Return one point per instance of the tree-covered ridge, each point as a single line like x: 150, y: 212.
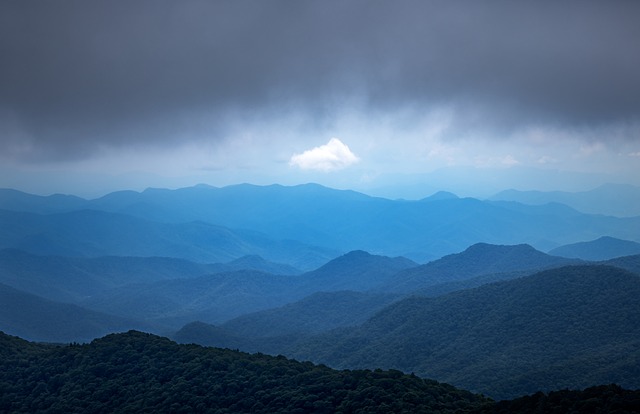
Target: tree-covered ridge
x: 569, y: 327
x: 138, y: 372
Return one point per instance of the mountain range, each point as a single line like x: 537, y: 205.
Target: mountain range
x: 456, y: 289
x: 211, y: 224
x: 622, y: 200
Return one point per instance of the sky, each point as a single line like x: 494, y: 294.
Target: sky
x: 393, y: 98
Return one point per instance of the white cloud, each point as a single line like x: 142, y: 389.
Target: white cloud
x: 332, y: 156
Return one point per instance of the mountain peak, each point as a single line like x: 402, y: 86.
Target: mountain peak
x: 603, y: 248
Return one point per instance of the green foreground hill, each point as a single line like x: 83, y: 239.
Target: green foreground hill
x: 137, y: 372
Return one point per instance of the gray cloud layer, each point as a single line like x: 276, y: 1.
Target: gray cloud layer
x: 76, y: 75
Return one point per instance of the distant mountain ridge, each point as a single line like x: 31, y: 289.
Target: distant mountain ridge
x: 341, y: 221
x: 603, y: 248
x: 620, y: 200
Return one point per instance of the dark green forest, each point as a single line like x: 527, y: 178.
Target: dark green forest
x: 140, y: 372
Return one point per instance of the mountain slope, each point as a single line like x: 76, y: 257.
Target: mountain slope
x: 318, y: 312
x: 356, y: 270
x: 219, y: 297
x: 38, y: 319
x: 477, y: 260
x: 273, y: 330
x: 630, y: 263
x: 212, y: 298
x: 603, y: 248
x: 567, y: 327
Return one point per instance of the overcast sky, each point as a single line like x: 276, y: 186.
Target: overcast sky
x: 98, y: 95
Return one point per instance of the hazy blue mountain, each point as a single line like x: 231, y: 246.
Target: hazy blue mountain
x: 219, y: 297
x: 610, y: 199
x: 38, y: 319
x: 273, y: 330
x: 630, y: 263
x: 603, y: 248
x: 91, y: 233
x: 342, y: 221
x: 255, y: 262
x: 493, y: 262
x: 316, y: 313
x: 213, y: 298
x: 356, y: 270
x: 441, y: 195
x: 566, y: 327
x: 71, y: 279
x: 19, y: 201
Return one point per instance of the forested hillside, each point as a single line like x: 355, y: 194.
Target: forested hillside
x: 568, y: 327
x: 137, y: 372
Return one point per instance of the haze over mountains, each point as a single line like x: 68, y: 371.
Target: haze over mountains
x: 449, y: 288
x: 303, y: 225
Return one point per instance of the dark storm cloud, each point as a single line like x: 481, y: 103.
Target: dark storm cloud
x: 78, y: 74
